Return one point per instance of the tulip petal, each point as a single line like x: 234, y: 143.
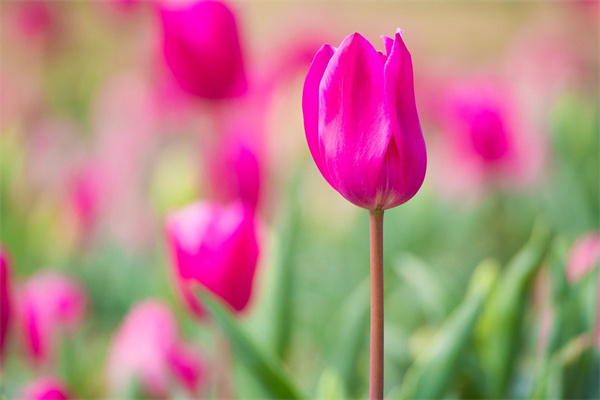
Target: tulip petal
x: 216, y: 246
x: 404, y: 167
x: 354, y: 125
x: 310, y: 106
x: 388, y: 42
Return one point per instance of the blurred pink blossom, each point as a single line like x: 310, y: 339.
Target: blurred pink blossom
x: 35, y: 18
x: 202, y: 48
x: 542, y: 64
x: 86, y: 192
x: 51, y: 148
x: 109, y: 182
x: 234, y: 171
x: 216, y: 246
x: 485, y: 142
x: 45, y: 388
x: 48, y: 304
x: 147, y: 347
x: 584, y: 256
x: 5, y: 299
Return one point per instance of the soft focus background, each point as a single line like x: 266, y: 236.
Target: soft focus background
x: 98, y: 143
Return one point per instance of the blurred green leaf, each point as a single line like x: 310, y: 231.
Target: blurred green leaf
x: 432, y: 293
x: 266, y: 369
x: 432, y: 373
x: 284, y: 272
x: 499, y: 329
x: 330, y: 386
x: 351, y: 335
x: 572, y: 318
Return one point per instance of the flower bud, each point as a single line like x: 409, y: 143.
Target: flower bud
x: 217, y: 247
x: 202, y: 48
x: 361, y: 122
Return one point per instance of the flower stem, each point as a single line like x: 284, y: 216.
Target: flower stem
x: 376, y: 363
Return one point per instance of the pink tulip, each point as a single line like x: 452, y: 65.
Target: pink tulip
x: 480, y: 126
x: 584, y: 256
x: 85, y: 194
x: 234, y: 172
x: 485, y: 141
x: 45, y: 389
x: 35, y: 18
x: 146, y: 348
x: 216, y: 246
x: 202, y: 48
x: 49, y: 303
x: 5, y: 299
x: 361, y: 122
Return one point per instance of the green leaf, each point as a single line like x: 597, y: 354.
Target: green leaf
x: 330, y: 386
x: 267, y: 370
x: 284, y: 272
x: 352, y: 334
x: 428, y: 287
x: 500, y: 327
x: 432, y: 373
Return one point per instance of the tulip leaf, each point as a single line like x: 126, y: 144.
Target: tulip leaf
x: 330, y: 386
x: 284, y: 272
x: 433, y: 295
x: 432, y: 373
x: 500, y: 327
x: 352, y: 334
x: 268, y: 371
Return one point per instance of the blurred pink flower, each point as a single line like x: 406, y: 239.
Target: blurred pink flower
x: 48, y: 303
x: 111, y: 180
x: 542, y: 64
x: 146, y: 347
x: 234, y: 171
x: 123, y: 5
x: 46, y: 388
x: 86, y: 194
x: 35, y: 18
x: 484, y: 142
x: 216, y: 246
x: 361, y: 122
x: 202, y: 48
x: 5, y: 299
x: 584, y: 256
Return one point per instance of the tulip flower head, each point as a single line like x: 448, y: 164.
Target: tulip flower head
x: 202, y: 48
x: 234, y: 172
x: 361, y: 122
x: 36, y: 18
x: 49, y: 303
x: 45, y: 389
x: 147, y: 352
x: 5, y: 300
x: 217, y: 247
x: 485, y: 143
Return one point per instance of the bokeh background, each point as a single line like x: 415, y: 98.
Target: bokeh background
x: 98, y: 143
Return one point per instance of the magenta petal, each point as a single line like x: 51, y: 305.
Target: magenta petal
x: 216, y: 246
x: 50, y: 304
x: 354, y: 123
x: 388, y: 42
x: 404, y: 168
x: 6, y: 309
x: 201, y: 46
x: 310, y: 106
x: 45, y: 388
